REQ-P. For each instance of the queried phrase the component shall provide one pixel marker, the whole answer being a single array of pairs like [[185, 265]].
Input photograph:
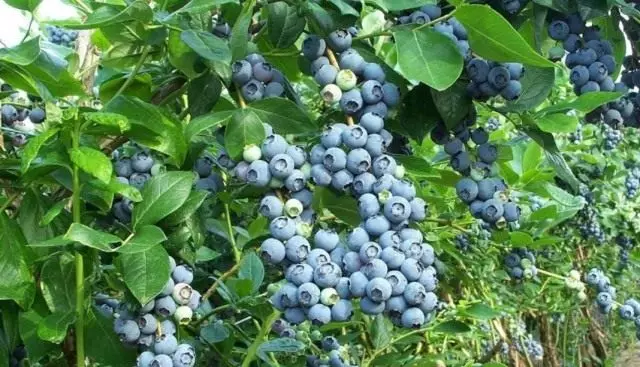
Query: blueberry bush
[[321, 183]]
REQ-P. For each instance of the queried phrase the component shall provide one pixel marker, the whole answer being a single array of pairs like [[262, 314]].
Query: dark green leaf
[[418, 114], [29, 322], [107, 15], [214, 332], [553, 154], [482, 312], [536, 86], [54, 327], [180, 55], [395, 5], [90, 237], [584, 103], [245, 128], [23, 54], [195, 200], [92, 161], [285, 116], [205, 254], [284, 24], [16, 283], [344, 207], [381, 332], [557, 123], [197, 6], [117, 187], [102, 345], [57, 283], [452, 327], [145, 238], [162, 195], [145, 273], [492, 37], [251, 268], [239, 39], [282, 345], [428, 56], [344, 8], [453, 104], [207, 45], [203, 93], [206, 122]]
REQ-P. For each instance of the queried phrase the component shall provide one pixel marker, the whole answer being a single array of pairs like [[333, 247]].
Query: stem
[[237, 254], [77, 218], [224, 276], [241, 101], [9, 201], [28, 29], [251, 352], [135, 71]]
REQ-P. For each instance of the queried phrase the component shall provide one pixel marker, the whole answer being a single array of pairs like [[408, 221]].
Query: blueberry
[[516, 70], [492, 210], [252, 90], [296, 181], [327, 275], [258, 173], [147, 324], [428, 255], [369, 251], [414, 293], [429, 303], [499, 77], [304, 196], [355, 137], [342, 310], [282, 228], [317, 153], [318, 63], [478, 70], [281, 166], [375, 145], [488, 153], [411, 269], [393, 257], [377, 225], [410, 234], [363, 183], [433, 11], [413, 318], [318, 257], [182, 274], [579, 75], [559, 30], [339, 40], [274, 89], [461, 162], [590, 86], [165, 344], [607, 85], [351, 102], [294, 315], [372, 91], [586, 56], [123, 167], [487, 90], [604, 299], [368, 205], [331, 137], [373, 71], [271, 206], [204, 165], [419, 17], [397, 209], [319, 314], [184, 356], [591, 33], [351, 59], [572, 43], [403, 188], [263, 71], [313, 47], [356, 238], [390, 238], [308, 294], [384, 164], [598, 71], [512, 90], [241, 72], [326, 75], [626, 312], [375, 268], [370, 307], [161, 360], [429, 281], [273, 145], [37, 115], [144, 359], [254, 58], [378, 289], [342, 288], [129, 331], [511, 212], [479, 136]]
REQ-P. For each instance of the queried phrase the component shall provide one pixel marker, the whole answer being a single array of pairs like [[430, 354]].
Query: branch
[[215, 285]]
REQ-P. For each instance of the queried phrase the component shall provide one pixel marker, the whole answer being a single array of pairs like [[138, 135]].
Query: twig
[[28, 29], [224, 276], [253, 349], [135, 71]]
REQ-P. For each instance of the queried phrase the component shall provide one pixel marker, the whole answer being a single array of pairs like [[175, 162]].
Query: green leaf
[[53, 212], [239, 39], [118, 187], [34, 145], [494, 364], [205, 254], [180, 55], [284, 24], [245, 128], [520, 239], [453, 104], [395, 5], [285, 116], [111, 120], [381, 331], [428, 56], [452, 327], [282, 345], [537, 83], [532, 157], [151, 127], [207, 45], [197, 6], [482, 312], [23, 54], [203, 93], [344, 207], [57, 241], [214, 332], [206, 122], [108, 15], [57, 283], [54, 327], [16, 283], [553, 154], [102, 345], [145, 273], [557, 123], [90, 237], [417, 113], [28, 5], [195, 200], [92, 161], [492, 37], [251, 268], [145, 238], [162, 195], [585, 103], [28, 323]]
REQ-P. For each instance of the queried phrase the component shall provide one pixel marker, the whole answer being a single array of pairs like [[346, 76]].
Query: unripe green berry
[[301, 335], [183, 315], [574, 274], [251, 153], [346, 79], [275, 183], [476, 175], [306, 170], [556, 52], [293, 207], [384, 196], [582, 296], [272, 288], [331, 93], [305, 326], [182, 293], [158, 169], [304, 229], [399, 172], [316, 335], [329, 296]]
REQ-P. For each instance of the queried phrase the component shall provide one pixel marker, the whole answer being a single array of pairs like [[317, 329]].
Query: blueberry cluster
[[61, 36], [611, 137], [135, 170], [256, 78], [524, 341], [576, 136], [535, 203], [463, 243], [487, 347], [493, 124], [335, 354], [521, 264], [590, 58], [490, 79], [626, 244], [22, 120], [589, 225], [17, 355], [150, 328], [358, 87], [632, 182]]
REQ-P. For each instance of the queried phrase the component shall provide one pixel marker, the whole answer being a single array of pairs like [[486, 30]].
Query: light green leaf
[[491, 36], [536, 86], [120, 122], [30, 151], [107, 15], [452, 327], [381, 331], [23, 54], [282, 345], [162, 195], [428, 56], [103, 345], [245, 128], [54, 327], [195, 200], [482, 312], [16, 283], [207, 45], [283, 115], [28, 5], [145, 273], [344, 207], [90, 237], [145, 238], [53, 212], [557, 123], [206, 122], [585, 103], [92, 161], [251, 268], [57, 283], [239, 39], [395, 5], [284, 24]]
